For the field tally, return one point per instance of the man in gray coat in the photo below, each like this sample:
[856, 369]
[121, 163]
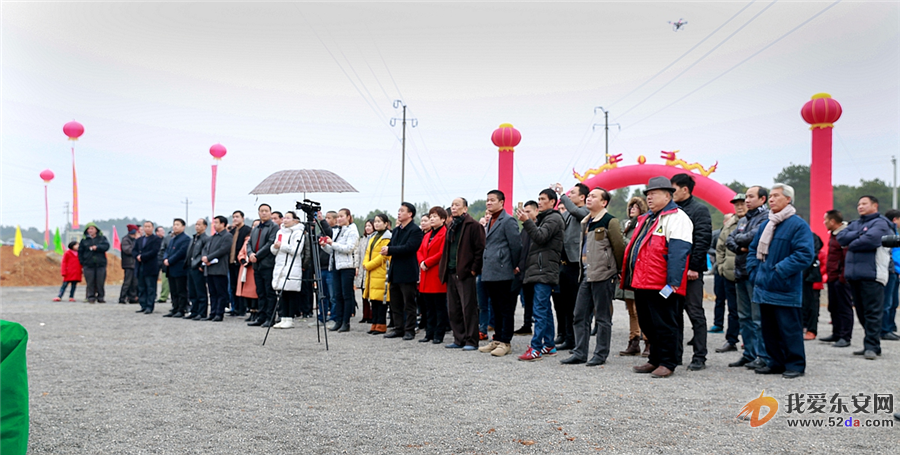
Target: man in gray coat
[573, 211]
[215, 260]
[197, 292]
[129, 283]
[602, 246]
[501, 255]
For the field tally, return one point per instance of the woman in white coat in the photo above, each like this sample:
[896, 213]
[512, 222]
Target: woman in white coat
[343, 269]
[288, 278]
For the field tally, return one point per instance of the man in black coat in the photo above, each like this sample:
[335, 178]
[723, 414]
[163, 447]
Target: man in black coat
[403, 274]
[146, 255]
[129, 284]
[197, 291]
[215, 261]
[461, 262]
[174, 259]
[239, 233]
[260, 255]
[702, 238]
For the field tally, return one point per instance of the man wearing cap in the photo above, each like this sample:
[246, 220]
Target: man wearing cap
[725, 267]
[656, 267]
[129, 283]
[781, 250]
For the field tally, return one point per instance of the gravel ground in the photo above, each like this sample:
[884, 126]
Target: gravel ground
[106, 380]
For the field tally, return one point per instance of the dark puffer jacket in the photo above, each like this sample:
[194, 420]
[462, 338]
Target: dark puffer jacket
[702, 238]
[866, 258]
[742, 236]
[542, 265]
[97, 257]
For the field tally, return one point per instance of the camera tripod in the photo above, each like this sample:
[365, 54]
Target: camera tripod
[309, 234]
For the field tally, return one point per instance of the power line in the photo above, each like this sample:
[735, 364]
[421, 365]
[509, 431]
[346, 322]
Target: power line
[737, 65]
[683, 55]
[698, 60]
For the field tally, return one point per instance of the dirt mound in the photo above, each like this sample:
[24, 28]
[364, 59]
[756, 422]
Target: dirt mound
[41, 268]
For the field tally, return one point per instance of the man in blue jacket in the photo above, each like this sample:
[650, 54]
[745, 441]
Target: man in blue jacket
[866, 269]
[146, 255]
[173, 259]
[781, 250]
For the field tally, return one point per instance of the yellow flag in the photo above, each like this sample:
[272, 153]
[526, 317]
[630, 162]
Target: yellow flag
[18, 246]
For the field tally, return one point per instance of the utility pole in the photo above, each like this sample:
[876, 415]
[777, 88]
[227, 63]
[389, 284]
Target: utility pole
[68, 212]
[605, 126]
[894, 188]
[186, 203]
[413, 123]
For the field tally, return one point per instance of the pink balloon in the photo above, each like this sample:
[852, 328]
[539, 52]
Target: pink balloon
[47, 175]
[73, 130]
[218, 151]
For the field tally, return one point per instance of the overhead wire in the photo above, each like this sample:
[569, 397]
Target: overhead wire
[737, 65]
[702, 57]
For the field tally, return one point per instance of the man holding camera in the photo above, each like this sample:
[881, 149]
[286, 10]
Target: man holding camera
[866, 269]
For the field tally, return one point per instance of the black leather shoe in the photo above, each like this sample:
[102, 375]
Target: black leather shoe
[768, 370]
[256, 323]
[208, 318]
[169, 315]
[791, 374]
[148, 311]
[572, 360]
[425, 340]
[727, 347]
[741, 362]
[565, 346]
[841, 343]
[595, 361]
[393, 334]
[217, 318]
[860, 352]
[409, 336]
[559, 340]
[141, 311]
[188, 316]
[891, 336]
[758, 363]
[344, 328]
[829, 339]
[697, 365]
[178, 315]
[198, 317]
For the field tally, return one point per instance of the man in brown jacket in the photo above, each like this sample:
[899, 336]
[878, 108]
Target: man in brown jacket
[460, 263]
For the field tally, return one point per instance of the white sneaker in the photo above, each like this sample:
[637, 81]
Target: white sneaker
[286, 323]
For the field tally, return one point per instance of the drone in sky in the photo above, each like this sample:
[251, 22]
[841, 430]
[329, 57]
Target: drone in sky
[677, 24]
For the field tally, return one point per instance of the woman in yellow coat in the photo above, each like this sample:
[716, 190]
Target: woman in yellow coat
[376, 274]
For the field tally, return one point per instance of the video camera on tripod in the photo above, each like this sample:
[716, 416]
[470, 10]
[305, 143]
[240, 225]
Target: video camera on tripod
[310, 208]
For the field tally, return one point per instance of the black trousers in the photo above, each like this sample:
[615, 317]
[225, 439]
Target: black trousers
[240, 305]
[503, 302]
[306, 294]
[564, 302]
[379, 312]
[658, 318]
[178, 289]
[462, 309]
[810, 308]
[290, 303]
[218, 294]
[868, 297]
[96, 279]
[434, 308]
[129, 291]
[721, 299]
[693, 305]
[197, 292]
[264, 291]
[840, 305]
[734, 323]
[782, 331]
[403, 305]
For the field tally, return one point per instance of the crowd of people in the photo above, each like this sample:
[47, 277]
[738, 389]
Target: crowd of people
[453, 274]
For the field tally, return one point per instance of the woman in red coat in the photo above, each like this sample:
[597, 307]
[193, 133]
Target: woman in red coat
[432, 292]
[71, 272]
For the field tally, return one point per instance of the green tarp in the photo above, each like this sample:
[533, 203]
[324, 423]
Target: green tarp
[13, 389]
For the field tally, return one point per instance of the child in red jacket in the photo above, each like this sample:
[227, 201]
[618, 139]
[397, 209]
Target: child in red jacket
[71, 272]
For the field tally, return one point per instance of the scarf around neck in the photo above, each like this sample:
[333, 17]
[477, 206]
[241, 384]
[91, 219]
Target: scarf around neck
[766, 238]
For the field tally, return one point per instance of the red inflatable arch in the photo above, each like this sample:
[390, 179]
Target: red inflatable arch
[718, 195]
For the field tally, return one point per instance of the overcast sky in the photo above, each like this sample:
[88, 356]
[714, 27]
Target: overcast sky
[311, 86]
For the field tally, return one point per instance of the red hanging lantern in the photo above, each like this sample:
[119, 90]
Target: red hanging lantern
[218, 151]
[821, 111]
[47, 175]
[73, 130]
[506, 137]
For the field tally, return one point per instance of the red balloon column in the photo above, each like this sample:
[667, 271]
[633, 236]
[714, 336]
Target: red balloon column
[73, 131]
[46, 176]
[217, 151]
[506, 137]
[821, 112]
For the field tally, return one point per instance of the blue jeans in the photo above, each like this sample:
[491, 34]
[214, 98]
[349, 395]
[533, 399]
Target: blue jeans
[485, 312]
[326, 280]
[750, 318]
[543, 317]
[888, 321]
[62, 290]
[343, 300]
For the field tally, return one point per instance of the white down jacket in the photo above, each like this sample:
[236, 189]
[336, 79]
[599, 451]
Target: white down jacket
[343, 248]
[289, 247]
